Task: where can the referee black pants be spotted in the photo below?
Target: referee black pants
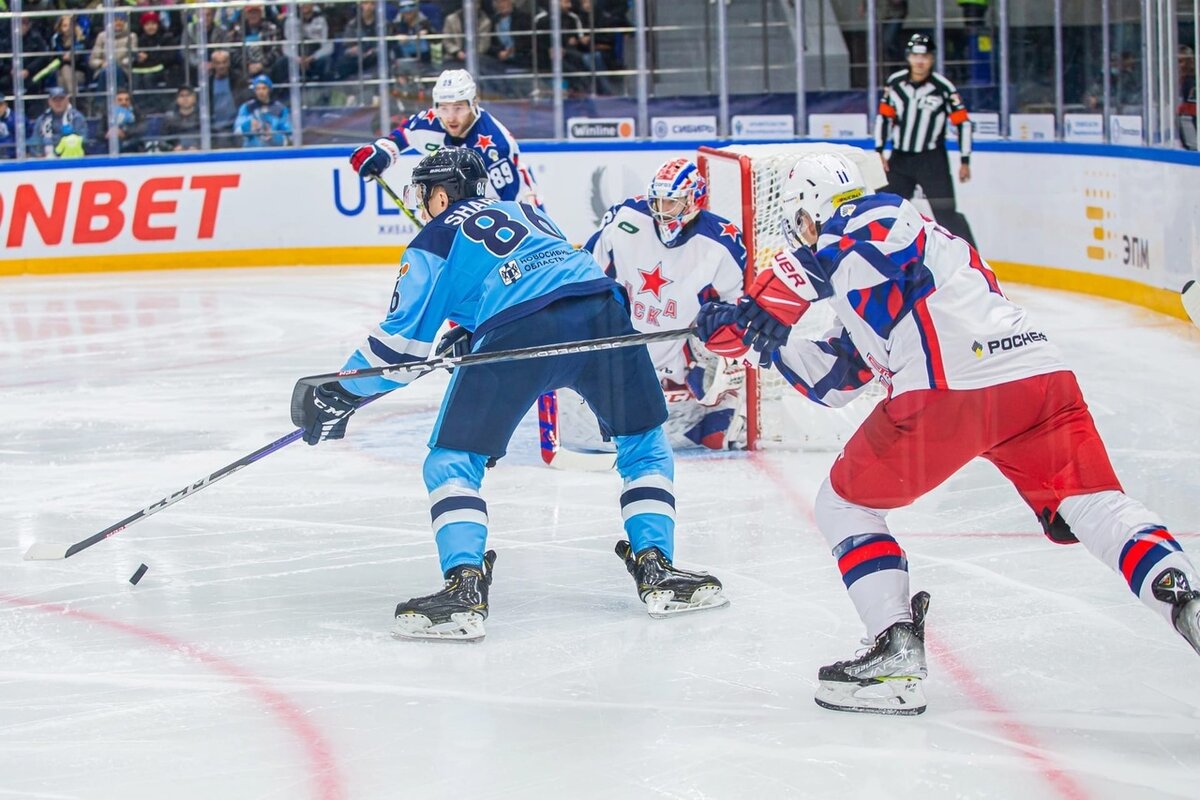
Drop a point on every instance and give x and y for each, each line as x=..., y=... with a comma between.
x=931, y=171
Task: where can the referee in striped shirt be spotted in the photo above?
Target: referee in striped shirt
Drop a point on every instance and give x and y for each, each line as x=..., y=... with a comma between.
x=913, y=113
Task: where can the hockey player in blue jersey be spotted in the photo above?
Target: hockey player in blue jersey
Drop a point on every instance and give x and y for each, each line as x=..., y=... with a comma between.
x=505, y=273
x=455, y=120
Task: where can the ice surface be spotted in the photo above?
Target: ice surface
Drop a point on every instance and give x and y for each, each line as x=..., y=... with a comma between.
x=254, y=661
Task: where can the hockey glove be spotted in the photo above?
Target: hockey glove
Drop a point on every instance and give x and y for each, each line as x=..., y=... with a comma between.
x=327, y=409
x=768, y=312
x=370, y=160
x=716, y=327
x=455, y=343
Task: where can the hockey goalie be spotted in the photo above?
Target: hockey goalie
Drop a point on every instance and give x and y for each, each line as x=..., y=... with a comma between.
x=672, y=255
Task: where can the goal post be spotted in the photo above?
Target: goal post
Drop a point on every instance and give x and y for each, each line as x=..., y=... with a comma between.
x=745, y=185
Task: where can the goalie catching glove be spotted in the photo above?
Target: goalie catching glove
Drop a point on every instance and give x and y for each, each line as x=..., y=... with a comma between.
x=371, y=160
x=327, y=410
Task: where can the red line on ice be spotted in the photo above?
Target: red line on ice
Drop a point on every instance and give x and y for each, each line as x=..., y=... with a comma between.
x=323, y=771
x=1021, y=736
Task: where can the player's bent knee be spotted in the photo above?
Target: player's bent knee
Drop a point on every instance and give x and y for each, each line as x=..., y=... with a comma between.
x=645, y=454
x=838, y=519
x=443, y=465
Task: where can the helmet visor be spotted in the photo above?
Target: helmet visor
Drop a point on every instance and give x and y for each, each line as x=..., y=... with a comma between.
x=414, y=197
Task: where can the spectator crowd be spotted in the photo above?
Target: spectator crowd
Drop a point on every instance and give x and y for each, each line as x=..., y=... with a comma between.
x=151, y=57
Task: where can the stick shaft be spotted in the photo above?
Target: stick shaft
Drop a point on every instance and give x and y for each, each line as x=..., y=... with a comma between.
x=40, y=552
x=518, y=354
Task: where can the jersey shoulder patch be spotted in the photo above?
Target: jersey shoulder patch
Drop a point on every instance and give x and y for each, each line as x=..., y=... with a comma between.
x=716, y=228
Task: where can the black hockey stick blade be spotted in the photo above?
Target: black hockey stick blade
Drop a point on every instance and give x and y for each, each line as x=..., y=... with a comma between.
x=414, y=369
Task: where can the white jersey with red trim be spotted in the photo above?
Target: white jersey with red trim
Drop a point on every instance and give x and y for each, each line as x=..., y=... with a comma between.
x=917, y=307
x=509, y=178
x=667, y=285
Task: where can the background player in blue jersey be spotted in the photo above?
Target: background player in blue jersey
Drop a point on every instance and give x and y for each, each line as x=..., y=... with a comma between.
x=456, y=120
x=507, y=276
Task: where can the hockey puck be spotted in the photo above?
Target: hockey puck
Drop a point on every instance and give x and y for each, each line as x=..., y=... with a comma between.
x=137, y=576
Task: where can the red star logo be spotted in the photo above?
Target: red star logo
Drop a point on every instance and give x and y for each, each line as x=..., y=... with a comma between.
x=653, y=281
x=430, y=115
x=730, y=230
x=483, y=141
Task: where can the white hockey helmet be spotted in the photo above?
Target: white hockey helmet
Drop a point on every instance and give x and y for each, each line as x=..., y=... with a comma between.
x=454, y=85
x=676, y=195
x=816, y=186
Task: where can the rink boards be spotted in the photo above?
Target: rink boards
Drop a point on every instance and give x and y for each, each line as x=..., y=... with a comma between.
x=1120, y=222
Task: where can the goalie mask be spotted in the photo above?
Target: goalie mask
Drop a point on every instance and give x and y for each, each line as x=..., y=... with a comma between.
x=816, y=186
x=676, y=195
x=458, y=170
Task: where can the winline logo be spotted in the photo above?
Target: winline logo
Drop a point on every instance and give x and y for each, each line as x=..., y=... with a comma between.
x=601, y=129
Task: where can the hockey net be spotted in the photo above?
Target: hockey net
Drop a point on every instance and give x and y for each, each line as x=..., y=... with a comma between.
x=745, y=184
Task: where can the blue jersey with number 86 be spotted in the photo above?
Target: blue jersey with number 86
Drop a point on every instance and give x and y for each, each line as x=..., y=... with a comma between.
x=480, y=264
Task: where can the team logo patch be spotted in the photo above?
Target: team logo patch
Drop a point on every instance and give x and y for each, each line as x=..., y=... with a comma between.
x=653, y=281
x=847, y=209
x=510, y=272
x=404, y=269
x=483, y=141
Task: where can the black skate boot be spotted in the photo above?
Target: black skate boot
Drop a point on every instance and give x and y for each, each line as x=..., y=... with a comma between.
x=886, y=679
x=1172, y=587
x=665, y=590
x=456, y=613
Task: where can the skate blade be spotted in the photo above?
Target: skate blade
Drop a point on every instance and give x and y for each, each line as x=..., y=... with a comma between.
x=462, y=627
x=662, y=604
x=893, y=696
x=1188, y=624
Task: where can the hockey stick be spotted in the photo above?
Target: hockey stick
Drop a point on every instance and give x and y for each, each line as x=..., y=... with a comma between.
x=454, y=362
x=555, y=454
x=399, y=203
x=45, y=551
x=1191, y=301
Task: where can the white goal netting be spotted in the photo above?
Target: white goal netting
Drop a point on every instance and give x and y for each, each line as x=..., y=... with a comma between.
x=745, y=184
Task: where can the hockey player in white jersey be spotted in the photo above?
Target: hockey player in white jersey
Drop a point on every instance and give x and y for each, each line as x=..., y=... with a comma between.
x=456, y=120
x=671, y=255
x=969, y=374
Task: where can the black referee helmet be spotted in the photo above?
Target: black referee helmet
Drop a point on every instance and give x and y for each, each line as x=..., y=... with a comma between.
x=920, y=43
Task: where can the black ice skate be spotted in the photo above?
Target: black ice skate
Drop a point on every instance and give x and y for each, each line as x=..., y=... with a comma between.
x=886, y=679
x=1171, y=586
x=666, y=590
x=456, y=613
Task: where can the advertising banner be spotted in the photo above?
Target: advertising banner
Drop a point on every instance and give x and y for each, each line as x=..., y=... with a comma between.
x=701, y=127
x=1031, y=127
x=590, y=128
x=837, y=126
x=1084, y=128
x=763, y=126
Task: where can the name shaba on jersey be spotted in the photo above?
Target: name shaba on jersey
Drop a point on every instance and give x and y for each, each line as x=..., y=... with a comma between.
x=481, y=264
x=667, y=285
x=508, y=178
